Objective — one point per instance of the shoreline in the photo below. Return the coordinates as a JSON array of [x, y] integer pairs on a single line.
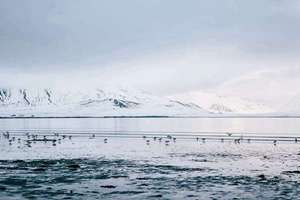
[[151, 116]]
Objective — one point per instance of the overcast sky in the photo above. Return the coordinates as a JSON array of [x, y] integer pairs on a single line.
[[160, 45]]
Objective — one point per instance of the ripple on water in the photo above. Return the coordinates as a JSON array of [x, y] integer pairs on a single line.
[[127, 179]]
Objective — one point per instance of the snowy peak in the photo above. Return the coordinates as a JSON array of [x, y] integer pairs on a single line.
[[220, 108], [22, 97]]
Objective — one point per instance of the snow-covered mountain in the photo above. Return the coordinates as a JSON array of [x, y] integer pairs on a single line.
[[118, 101], [222, 104], [90, 102]]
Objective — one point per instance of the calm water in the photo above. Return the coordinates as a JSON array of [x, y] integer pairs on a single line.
[[87, 167], [252, 125]]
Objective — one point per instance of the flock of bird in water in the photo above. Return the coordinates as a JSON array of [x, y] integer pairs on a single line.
[[56, 138]]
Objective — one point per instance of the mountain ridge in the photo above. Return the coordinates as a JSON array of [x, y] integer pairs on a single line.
[[91, 102], [119, 101]]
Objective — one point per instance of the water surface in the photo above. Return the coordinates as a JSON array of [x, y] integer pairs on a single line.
[[95, 167]]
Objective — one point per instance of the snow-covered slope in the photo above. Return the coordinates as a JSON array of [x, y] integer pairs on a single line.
[[292, 107], [222, 104], [274, 87], [90, 102]]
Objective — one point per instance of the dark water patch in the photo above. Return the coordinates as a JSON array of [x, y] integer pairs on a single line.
[[191, 196], [14, 168], [295, 172], [94, 192], [154, 179], [43, 194], [73, 166], [39, 169], [108, 186], [156, 196], [200, 160], [170, 169], [2, 188], [101, 177], [63, 179], [143, 178], [129, 192], [206, 155], [29, 196], [178, 169], [143, 185], [262, 177], [13, 181], [119, 176]]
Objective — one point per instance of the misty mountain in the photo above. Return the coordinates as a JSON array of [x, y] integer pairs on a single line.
[[273, 87], [292, 106], [223, 104]]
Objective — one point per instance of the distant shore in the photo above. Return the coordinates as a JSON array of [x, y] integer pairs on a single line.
[[150, 116]]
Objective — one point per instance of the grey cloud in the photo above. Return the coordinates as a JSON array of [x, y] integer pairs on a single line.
[[68, 35]]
